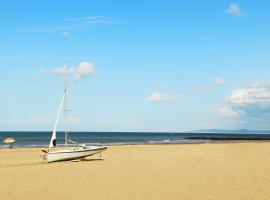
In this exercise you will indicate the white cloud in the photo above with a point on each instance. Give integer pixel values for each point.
(219, 81)
(37, 76)
(224, 111)
(251, 95)
(85, 69)
(235, 10)
(91, 20)
(162, 97)
(250, 104)
(65, 27)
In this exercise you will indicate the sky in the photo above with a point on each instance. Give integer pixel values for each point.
(135, 65)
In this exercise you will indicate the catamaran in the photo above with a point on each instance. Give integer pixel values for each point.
(77, 151)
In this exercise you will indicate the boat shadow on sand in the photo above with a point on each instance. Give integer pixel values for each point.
(92, 159)
(20, 165)
(46, 163)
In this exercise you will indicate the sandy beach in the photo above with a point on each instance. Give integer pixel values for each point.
(198, 171)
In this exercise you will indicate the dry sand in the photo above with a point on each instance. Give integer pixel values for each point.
(200, 171)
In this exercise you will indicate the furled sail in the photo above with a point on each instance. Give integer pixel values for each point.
(53, 138)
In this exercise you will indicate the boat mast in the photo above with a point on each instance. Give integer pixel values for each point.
(66, 116)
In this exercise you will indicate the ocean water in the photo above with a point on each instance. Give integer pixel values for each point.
(41, 139)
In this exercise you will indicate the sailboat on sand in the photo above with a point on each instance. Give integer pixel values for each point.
(78, 151)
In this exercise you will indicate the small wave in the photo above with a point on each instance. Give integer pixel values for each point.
(182, 141)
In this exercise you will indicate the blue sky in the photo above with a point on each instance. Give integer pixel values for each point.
(136, 66)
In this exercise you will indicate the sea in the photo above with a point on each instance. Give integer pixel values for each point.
(42, 139)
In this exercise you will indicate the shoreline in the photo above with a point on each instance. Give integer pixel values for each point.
(180, 142)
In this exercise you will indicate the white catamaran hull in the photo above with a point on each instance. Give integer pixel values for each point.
(64, 155)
